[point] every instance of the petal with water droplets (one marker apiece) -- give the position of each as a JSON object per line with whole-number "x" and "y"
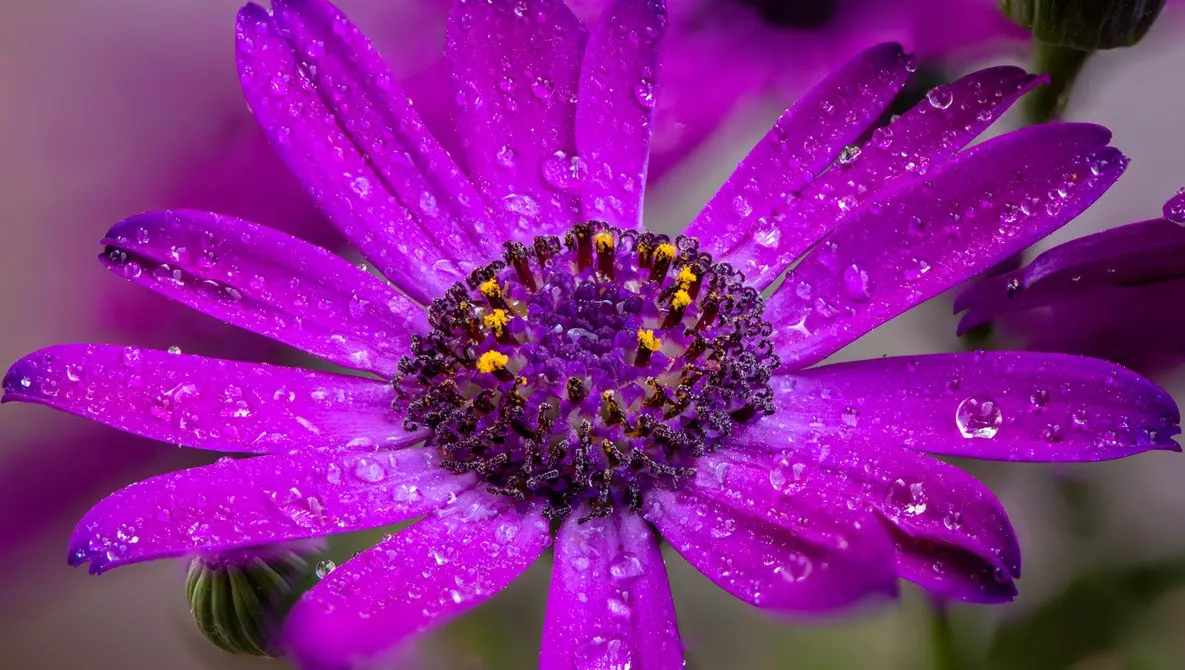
{"x": 328, "y": 144}
{"x": 615, "y": 111}
{"x": 517, "y": 66}
{"x": 263, "y": 500}
{"x": 209, "y": 403}
{"x": 269, "y": 283}
{"x": 423, "y": 576}
{"x": 917, "y": 141}
{"x": 921, "y": 237}
{"x": 1134, "y": 255}
{"x": 808, "y": 137}
{"x": 1015, "y": 406}
{"x": 797, "y": 552}
{"x": 610, "y": 605}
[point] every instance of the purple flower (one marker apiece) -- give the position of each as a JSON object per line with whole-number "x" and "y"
{"x": 1102, "y": 294}
{"x": 576, "y": 380}
{"x": 722, "y": 53}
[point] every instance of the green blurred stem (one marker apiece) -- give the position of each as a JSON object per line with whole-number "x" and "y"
{"x": 942, "y": 638}
{"x": 1063, "y": 64}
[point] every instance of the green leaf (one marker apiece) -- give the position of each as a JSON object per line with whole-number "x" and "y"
{"x": 1092, "y": 615}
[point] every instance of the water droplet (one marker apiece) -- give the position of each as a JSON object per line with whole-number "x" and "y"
{"x": 796, "y": 568}
{"x": 940, "y": 97}
{"x": 953, "y": 521}
{"x": 978, "y": 417}
{"x": 324, "y": 568}
{"x": 741, "y": 206}
{"x": 369, "y": 470}
{"x": 849, "y": 154}
{"x": 907, "y": 499}
{"x": 1174, "y": 209}
{"x": 626, "y": 567}
{"x": 644, "y": 93}
{"x": 175, "y": 350}
{"x": 505, "y": 156}
{"x": 856, "y": 282}
{"x": 766, "y": 232}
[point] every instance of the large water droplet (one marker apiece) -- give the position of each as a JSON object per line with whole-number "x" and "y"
{"x": 625, "y": 567}
{"x": 978, "y": 416}
{"x": 324, "y": 568}
{"x": 940, "y": 97}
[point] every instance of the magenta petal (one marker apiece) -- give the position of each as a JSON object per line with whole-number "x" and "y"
{"x": 269, "y": 283}
{"x": 317, "y": 133}
{"x": 1132, "y": 255}
{"x": 922, "y": 138}
{"x": 209, "y": 403}
{"x": 616, "y": 108}
{"x": 386, "y": 128}
{"x": 517, "y": 68}
{"x": 938, "y": 514}
{"x": 921, "y": 237}
{"x": 610, "y": 605}
{"x": 263, "y": 500}
{"x": 1014, "y": 406}
{"x": 420, "y": 578}
{"x": 788, "y": 551}
{"x": 802, "y": 144}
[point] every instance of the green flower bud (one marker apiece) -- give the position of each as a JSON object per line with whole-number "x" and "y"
{"x": 238, "y": 598}
{"x": 1085, "y": 24}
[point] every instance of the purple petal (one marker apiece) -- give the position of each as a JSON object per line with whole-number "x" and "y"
{"x": 610, "y": 605}
{"x": 952, "y": 573}
{"x": 1014, "y": 406}
{"x": 517, "y": 66}
{"x": 420, "y": 578}
{"x": 381, "y": 121}
{"x": 922, "y": 138}
{"x": 263, "y": 500}
{"x": 616, "y": 109}
{"x": 923, "y": 236}
{"x": 802, "y": 144}
{"x": 790, "y": 551}
{"x": 210, "y": 403}
{"x": 269, "y": 283}
{"x": 317, "y": 131}
{"x": 946, "y": 512}
{"x": 1133, "y": 255}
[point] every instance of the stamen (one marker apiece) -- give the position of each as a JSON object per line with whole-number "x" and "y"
{"x": 689, "y": 280}
{"x": 604, "y": 243}
{"x": 493, "y": 293}
{"x": 582, "y": 232}
{"x": 493, "y": 362}
{"x": 679, "y": 303}
{"x": 516, "y": 257}
{"x": 647, "y": 344}
{"x": 663, "y": 255}
{"x": 497, "y": 322}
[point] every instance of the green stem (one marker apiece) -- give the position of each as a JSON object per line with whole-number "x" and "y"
{"x": 942, "y": 638}
{"x": 1063, "y": 64}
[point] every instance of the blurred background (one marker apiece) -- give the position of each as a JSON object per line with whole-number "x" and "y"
{"x": 129, "y": 105}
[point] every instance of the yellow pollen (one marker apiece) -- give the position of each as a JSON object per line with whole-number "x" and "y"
{"x": 490, "y": 289}
{"x": 492, "y": 361}
{"x": 647, "y": 339}
{"x": 604, "y": 241}
{"x": 686, "y": 278}
{"x": 681, "y": 299}
{"x": 496, "y": 320}
{"x": 664, "y": 252}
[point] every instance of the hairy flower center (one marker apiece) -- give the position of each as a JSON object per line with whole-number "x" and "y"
{"x": 804, "y": 14}
{"x": 589, "y": 370}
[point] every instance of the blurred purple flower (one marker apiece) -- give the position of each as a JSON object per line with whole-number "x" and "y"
{"x": 592, "y": 377}
{"x": 1102, "y": 294}
{"x": 721, "y": 53}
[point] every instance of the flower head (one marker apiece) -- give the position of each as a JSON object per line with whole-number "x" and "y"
{"x": 549, "y": 373}
{"x": 1101, "y": 295}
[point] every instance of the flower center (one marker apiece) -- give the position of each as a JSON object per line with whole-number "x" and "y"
{"x": 590, "y": 370}
{"x": 804, "y": 14}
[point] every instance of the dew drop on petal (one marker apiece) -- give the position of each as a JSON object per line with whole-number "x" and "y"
{"x": 940, "y": 97}
{"x": 324, "y": 568}
{"x": 978, "y": 417}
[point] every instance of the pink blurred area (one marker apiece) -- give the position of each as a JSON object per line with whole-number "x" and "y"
{"x": 110, "y": 109}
